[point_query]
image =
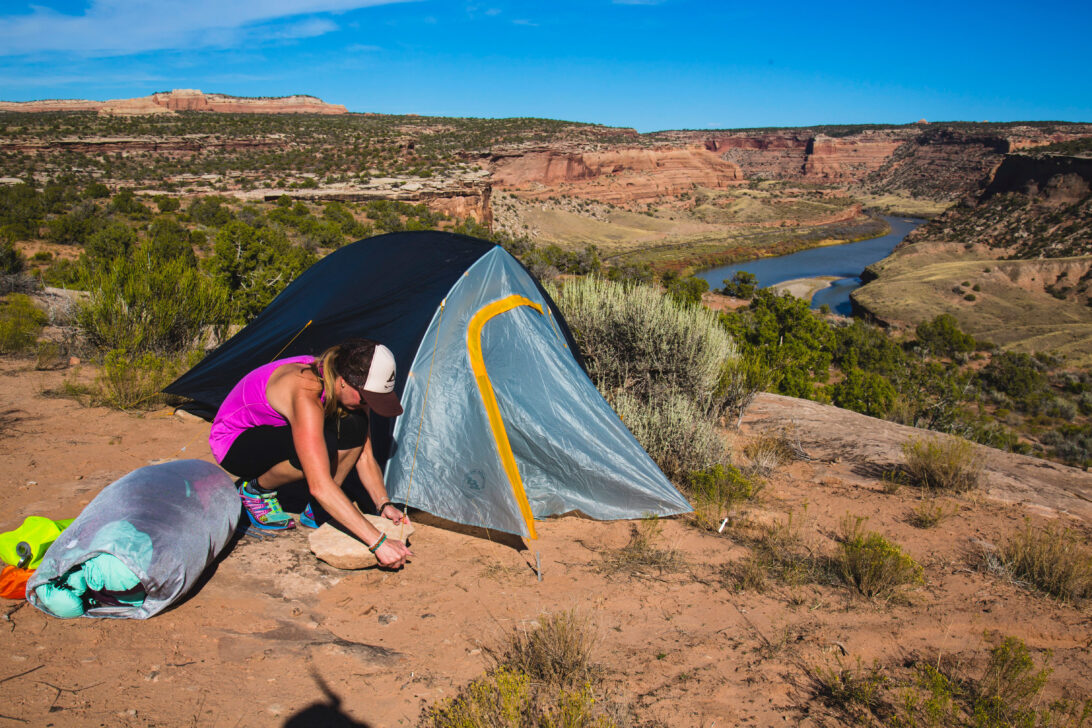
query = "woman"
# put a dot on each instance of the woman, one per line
(307, 418)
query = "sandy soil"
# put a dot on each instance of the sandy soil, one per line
(804, 288)
(275, 637)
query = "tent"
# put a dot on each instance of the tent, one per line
(501, 425)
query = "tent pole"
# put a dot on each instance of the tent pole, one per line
(538, 565)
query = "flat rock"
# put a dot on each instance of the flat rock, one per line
(343, 551)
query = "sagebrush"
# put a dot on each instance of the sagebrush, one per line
(1052, 558)
(945, 463)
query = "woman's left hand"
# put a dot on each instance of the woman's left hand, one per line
(393, 514)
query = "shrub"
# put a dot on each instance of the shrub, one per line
(942, 335)
(109, 243)
(557, 651)
(11, 259)
(255, 264)
(167, 204)
(849, 689)
(787, 337)
(673, 430)
(871, 563)
(636, 339)
(948, 463)
(142, 304)
(20, 324)
(928, 513)
(740, 285)
(1008, 693)
(506, 698)
(1016, 374)
(686, 291)
(741, 379)
(1053, 559)
(666, 369)
(864, 392)
(128, 382)
(1071, 444)
(77, 226)
(715, 492)
(779, 550)
(209, 211)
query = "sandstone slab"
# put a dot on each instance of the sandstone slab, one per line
(343, 551)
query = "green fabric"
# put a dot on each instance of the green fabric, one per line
(38, 532)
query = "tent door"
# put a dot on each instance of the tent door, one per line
(489, 398)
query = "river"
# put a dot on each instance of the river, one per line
(847, 262)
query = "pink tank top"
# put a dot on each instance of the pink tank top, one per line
(246, 406)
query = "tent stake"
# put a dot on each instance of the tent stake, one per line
(538, 565)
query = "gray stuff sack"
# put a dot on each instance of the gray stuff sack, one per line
(165, 523)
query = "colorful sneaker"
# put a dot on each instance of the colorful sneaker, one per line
(264, 510)
(307, 518)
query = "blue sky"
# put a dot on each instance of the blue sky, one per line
(649, 64)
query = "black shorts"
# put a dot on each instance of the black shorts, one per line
(258, 449)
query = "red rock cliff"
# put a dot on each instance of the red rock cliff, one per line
(618, 175)
(184, 100)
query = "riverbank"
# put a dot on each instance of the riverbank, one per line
(804, 288)
(820, 267)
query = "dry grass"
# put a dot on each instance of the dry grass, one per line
(769, 451)
(929, 513)
(557, 650)
(850, 690)
(781, 551)
(1053, 559)
(642, 556)
(873, 565)
(542, 677)
(949, 464)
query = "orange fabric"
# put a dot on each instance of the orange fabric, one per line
(13, 582)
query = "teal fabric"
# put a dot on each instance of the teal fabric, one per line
(60, 601)
(106, 572)
(572, 450)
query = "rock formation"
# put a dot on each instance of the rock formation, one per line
(460, 196)
(618, 175)
(184, 100)
(193, 100)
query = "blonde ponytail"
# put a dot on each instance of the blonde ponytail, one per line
(325, 369)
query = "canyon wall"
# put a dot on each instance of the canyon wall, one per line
(813, 158)
(193, 100)
(183, 100)
(1055, 178)
(617, 175)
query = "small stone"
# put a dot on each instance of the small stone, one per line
(387, 618)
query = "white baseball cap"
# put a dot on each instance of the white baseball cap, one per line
(378, 390)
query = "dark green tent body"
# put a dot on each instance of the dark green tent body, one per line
(501, 423)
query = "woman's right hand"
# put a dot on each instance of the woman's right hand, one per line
(392, 554)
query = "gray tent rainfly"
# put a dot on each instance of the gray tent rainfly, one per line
(501, 423)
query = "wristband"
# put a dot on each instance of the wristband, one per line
(378, 543)
(379, 510)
